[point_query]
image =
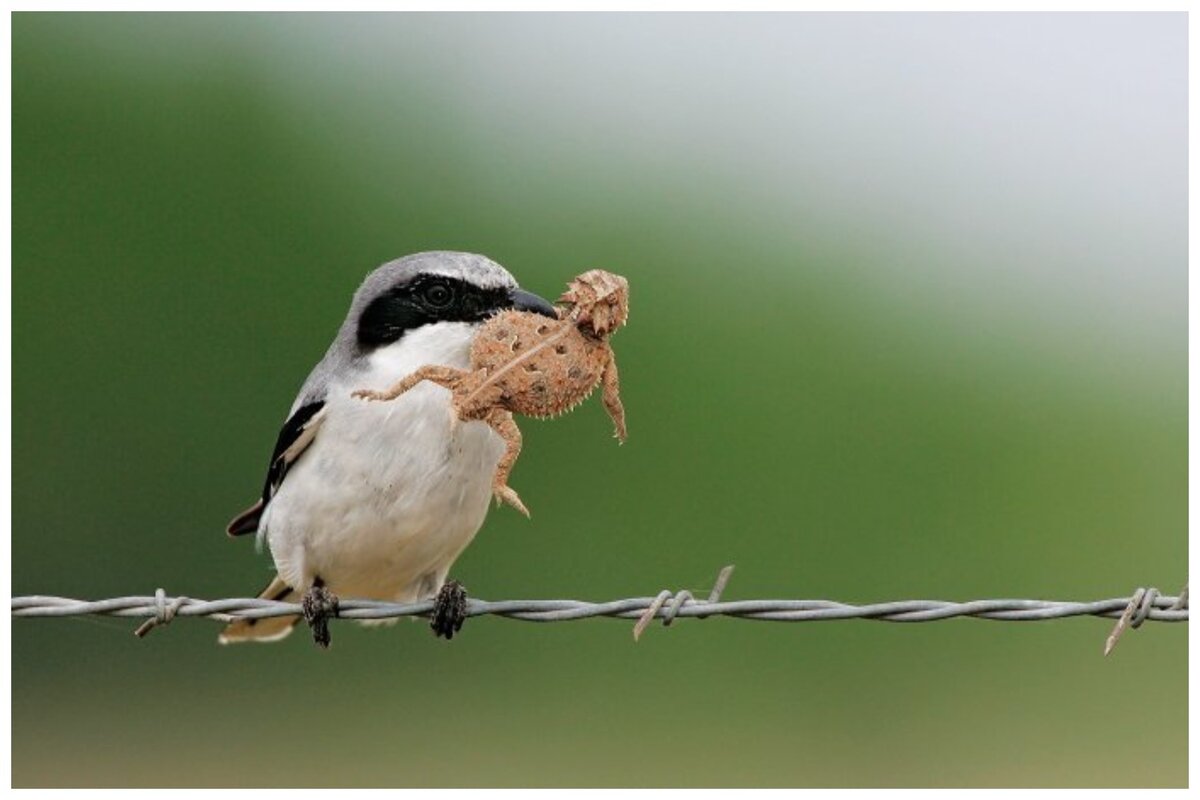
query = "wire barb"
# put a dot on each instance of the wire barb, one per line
(1138, 610)
(164, 612)
(680, 599)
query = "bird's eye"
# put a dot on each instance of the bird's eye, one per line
(439, 295)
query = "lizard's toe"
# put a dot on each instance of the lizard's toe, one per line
(504, 494)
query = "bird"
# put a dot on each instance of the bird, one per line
(378, 500)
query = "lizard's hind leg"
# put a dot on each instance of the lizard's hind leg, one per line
(502, 423)
(443, 376)
(612, 397)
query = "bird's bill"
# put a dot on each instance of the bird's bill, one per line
(528, 301)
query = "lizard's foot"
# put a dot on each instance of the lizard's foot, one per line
(449, 610)
(319, 605)
(505, 494)
(371, 394)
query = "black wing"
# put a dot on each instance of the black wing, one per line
(297, 434)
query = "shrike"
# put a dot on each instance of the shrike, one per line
(377, 500)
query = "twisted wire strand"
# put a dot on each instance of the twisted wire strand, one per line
(161, 608)
(1145, 604)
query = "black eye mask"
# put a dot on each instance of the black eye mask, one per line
(422, 301)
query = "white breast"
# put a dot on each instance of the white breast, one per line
(389, 493)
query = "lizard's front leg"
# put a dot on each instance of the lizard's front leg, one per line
(502, 423)
(612, 395)
(443, 376)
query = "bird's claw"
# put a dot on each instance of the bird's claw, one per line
(449, 610)
(319, 605)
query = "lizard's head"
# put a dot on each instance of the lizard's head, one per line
(597, 301)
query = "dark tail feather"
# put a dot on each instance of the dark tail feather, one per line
(247, 521)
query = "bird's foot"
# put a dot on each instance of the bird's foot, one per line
(319, 605)
(449, 610)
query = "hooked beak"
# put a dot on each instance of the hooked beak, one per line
(528, 301)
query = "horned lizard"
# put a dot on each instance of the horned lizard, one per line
(527, 364)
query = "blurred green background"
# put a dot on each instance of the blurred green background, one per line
(908, 321)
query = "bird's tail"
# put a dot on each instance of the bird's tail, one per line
(270, 629)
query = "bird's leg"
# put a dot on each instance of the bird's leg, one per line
(612, 395)
(502, 423)
(319, 605)
(443, 376)
(449, 610)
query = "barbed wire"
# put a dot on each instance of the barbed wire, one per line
(160, 609)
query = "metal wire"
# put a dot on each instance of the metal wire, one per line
(1145, 604)
(230, 609)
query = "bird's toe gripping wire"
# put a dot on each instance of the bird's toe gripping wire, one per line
(319, 604)
(449, 610)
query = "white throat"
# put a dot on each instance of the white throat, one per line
(444, 343)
